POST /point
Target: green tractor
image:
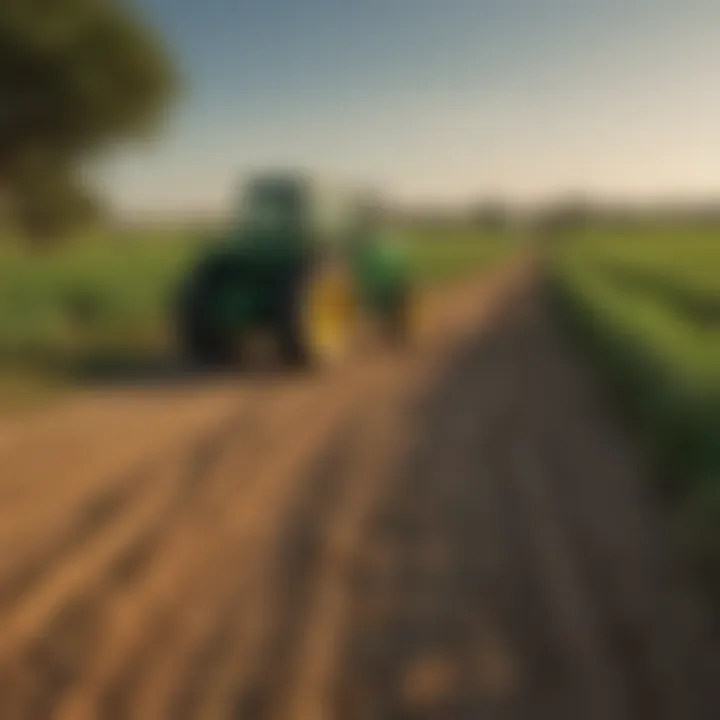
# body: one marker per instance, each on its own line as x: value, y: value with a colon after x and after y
x: 303, y: 264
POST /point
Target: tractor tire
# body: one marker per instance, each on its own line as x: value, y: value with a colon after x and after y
x: 203, y: 348
x: 201, y: 345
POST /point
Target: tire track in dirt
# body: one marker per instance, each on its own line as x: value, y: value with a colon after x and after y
x: 116, y: 498
x: 299, y: 546
x: 421, y: 641
x: 265, y: 463
x: 567, y: 672
x: 572, y: 630
x: 103, y: 562
x: 316, y: 551
x: 368, y: 469
x: 276, y: 472
x: 651, y: 626
x: 170, y: 564
x: 295, y: 572
x: 48, y: 501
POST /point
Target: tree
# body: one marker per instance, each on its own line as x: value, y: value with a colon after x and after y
x: 75, y: 76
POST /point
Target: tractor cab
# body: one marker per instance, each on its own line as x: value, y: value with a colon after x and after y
x: 295, y: 211
x: 273, y: 206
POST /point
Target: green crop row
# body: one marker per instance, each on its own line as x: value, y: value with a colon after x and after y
x: 697, y: 301
x: 659, y: 354
x: 679, y: 266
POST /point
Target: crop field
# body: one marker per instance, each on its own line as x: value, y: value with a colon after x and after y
x: 646, y: 304
x: 106, y: 295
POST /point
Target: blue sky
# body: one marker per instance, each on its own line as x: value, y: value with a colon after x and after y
x: 439, y: 100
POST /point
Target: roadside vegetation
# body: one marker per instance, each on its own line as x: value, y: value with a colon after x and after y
x: 98, y: 297
x: 645, y: 304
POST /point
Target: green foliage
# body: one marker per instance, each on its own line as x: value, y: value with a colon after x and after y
x: 74, y: 76
x: 645, y: 305
x: 680, y: 265
x: 104, y: 296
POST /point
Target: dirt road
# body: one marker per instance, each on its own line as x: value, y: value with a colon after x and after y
x: 457, y: 533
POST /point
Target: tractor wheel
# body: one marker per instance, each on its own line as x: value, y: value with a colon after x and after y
x: 318, y: 329
x: 204, y: 348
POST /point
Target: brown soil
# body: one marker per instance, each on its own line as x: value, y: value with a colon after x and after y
x: 456, y: 531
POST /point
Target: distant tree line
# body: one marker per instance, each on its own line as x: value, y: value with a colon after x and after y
x: 560, y: 218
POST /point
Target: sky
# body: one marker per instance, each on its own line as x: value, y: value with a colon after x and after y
x: 438, y: 101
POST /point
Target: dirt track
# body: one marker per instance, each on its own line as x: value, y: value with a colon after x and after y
x: 459, y: 533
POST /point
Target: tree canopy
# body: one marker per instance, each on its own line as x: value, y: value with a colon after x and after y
x: 75, y: 76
